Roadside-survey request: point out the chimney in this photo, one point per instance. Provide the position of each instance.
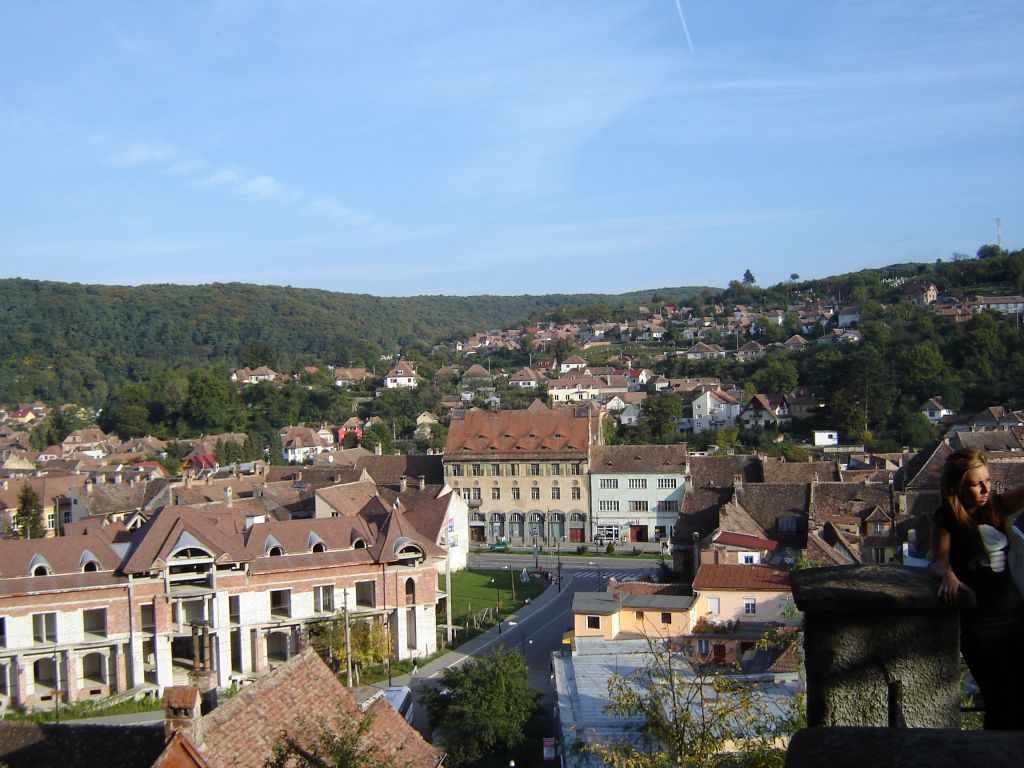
(182, 712)
(117, 478)
(377, 450)
(737, 482)
(88, 485)
(227, 495)
(423, 482)
(403, 483)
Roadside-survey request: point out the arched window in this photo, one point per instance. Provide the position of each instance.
(90, 566)
(359, 544)
(410, 591)
(40, 570)
(319, 547)
(275, 551)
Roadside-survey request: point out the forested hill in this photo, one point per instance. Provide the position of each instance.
(67, 341)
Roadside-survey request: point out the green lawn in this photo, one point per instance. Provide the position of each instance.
(473, 591)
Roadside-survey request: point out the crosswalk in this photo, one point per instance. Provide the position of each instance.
(605, 575)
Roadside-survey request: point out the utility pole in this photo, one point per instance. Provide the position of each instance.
(448, 587)
(348, 643)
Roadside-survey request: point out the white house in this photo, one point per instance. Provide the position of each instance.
(636, 491)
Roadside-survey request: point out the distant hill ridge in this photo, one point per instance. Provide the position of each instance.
(212, 322)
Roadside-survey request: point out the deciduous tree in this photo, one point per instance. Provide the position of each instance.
(483, 708)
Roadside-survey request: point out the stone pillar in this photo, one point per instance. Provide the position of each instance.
(69, 675)
(222, 649)
(881, 648)
(164, 661)
(245, 645)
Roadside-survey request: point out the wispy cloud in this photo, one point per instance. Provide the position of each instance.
(242, 182)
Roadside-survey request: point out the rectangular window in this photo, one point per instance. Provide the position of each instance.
(234, 610)
(878, 528)
(667, 482)
(3, 631)
(366, 594)
(575, 469)
(476, 494)
(638, 506)
(67, 517)
(748, 558)
(515, 493)
(713, 606)
(495, 469)
(556, 469)
(513, 469)
(670, 505)
(878, 555)
(94, 621)
(607, 531)
(323, 599)
(786, 524)
(44, 628)
(636, 483)
(456, 470)
(556, 493)
(535, 493)
(575, 492)
(593, 622)
(749, 606)
(609, 482)
(703, 647)
(281, 603)
(535, 469)
(478, 470)
(639, 615)
(495, 494)
(666, 617)
(51, 520)
(467, 493)
(609, 506)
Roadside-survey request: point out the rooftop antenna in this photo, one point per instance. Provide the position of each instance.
(999, 233)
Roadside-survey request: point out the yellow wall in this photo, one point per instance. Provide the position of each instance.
(770, 606)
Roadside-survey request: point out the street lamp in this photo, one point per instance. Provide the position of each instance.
(497, 604)
(512, 580)
(558, 556)
(598, 566)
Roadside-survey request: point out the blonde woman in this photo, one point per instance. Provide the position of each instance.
(972, 528)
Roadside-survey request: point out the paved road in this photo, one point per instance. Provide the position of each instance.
(536, 629)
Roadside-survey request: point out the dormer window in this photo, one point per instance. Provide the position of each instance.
(39, 566)
(90, 566)
(272, 547)
(319, 547)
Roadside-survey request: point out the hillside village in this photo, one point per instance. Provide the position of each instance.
(196, 564)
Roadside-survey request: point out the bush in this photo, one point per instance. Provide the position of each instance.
(581, 549)
(610, 549)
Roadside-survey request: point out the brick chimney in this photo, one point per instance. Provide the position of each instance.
(423, 482)
(182, 712)
(403, 483)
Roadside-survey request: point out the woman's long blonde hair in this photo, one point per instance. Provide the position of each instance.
(953, 476)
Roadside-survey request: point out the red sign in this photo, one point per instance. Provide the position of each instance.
(549, 749)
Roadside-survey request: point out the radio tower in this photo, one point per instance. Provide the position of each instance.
(999, 233)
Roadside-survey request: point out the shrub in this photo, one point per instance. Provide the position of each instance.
(610, 549)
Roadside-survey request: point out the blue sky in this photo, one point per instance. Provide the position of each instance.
(401, 148)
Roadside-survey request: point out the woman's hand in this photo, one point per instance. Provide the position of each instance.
(949, 586)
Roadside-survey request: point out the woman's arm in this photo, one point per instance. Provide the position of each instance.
(950, 584)
(1011, 501)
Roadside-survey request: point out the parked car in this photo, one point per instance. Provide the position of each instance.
(499, 546)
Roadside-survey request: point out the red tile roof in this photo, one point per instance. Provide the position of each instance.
(723, 576)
